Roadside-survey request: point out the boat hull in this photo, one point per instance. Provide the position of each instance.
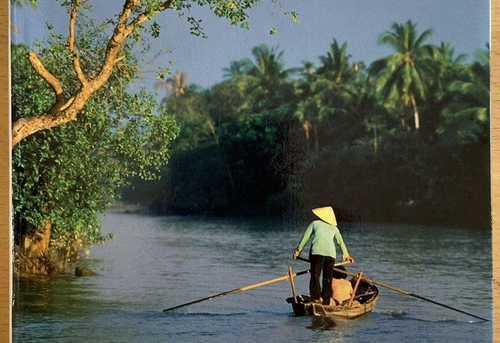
(302, 306)
(320, 310)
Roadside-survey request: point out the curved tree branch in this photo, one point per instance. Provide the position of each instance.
(25, 127)
(143, 17)
(66, 111)
(53, 81)
(122, 31)
(73, 18)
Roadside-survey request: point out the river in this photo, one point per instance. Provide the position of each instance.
(157, 262)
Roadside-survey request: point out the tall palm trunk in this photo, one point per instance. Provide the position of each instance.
(415, 113)
(213, 132)
(307, 126)
(375, 140)
(316, 138)
(403, 123)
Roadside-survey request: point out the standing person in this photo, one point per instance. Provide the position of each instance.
(322, 254)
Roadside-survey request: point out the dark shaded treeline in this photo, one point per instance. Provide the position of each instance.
(403, 139)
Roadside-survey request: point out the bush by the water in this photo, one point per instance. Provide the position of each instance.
(66, 177)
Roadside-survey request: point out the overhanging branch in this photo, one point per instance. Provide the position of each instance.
(66, 111)
(77, 65)
(143, 17)
(47, 76)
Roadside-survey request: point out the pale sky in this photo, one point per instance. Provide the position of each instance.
(464, 23)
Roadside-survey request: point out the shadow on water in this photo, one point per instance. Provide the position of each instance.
(403, 315)
(201, 314)
(395, 313)
(322, 324)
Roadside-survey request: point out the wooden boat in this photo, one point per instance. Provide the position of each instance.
(364, 302)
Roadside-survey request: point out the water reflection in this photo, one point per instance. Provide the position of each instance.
(60, 296)
(322, 323)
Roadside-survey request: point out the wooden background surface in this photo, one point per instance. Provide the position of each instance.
(495, 160)
(5, 265)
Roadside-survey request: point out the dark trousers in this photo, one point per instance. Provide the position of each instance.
(318, 263)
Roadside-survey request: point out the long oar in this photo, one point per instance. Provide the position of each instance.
(245, 288)
(400, 291)
(239, 290)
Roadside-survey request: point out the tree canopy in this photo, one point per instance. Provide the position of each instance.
(69, 175)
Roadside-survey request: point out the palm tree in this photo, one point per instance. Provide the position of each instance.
(367, 110)
(446, 53)
(477, 85)
(308, 70)
(325, 91)
(335, 64)
(176, 85)
(336, 75)
(267, 81)
(303, 91)
(238, 68)
(268, 67)
(467, 116)
(445, 67)
(401, 75)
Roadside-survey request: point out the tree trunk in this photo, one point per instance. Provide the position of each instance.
(213, 132)
(316, 138)
(307, 129)
(37, 244)
(307, 126)
(415, 113)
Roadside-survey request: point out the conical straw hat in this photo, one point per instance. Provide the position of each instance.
(326, 214)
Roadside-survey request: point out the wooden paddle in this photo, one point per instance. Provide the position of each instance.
(400, 291)
(246, 288)
(240, 290)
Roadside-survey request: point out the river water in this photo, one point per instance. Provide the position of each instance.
(157, 262)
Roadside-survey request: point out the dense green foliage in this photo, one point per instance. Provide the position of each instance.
(272, 140)
(32, 3)
(70, 174)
